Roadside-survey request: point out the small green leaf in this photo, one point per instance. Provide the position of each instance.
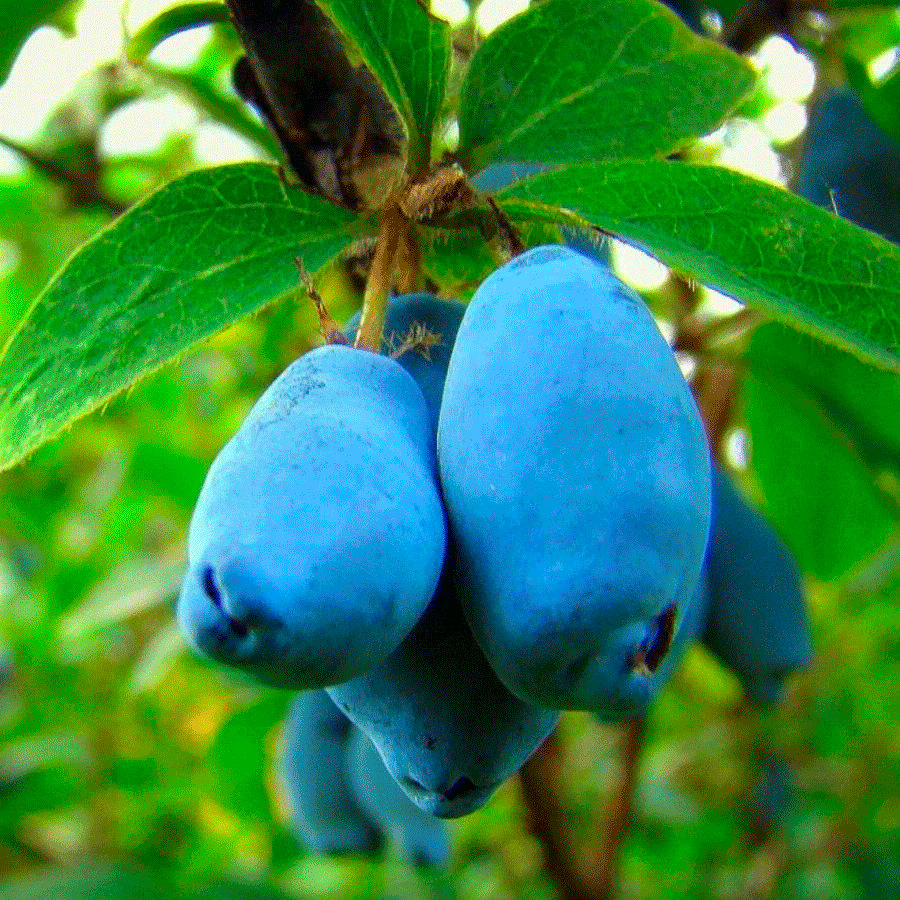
(408, 51)
(748, 239)
(575, 80)
(197, 256)
(172, 21)
(237, 757)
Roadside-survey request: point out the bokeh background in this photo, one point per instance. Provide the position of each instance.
(150, 773)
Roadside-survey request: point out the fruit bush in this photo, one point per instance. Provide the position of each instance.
(398, 164)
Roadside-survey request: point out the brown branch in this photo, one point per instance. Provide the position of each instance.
(618, 814)
(546, 820)
(82, 188)
(328, 116)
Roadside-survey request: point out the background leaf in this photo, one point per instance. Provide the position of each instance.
(193, 258)
(408, 51)
(825, 451)
(816, 489)
(744, 237)
(576, 80)
(89, 882)
(19, 21)
(172, 21)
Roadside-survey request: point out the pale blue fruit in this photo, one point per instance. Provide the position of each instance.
(757, 623)
(325, 814)
(575, 474)
(424, 838)
(448, 731)
(318, 537)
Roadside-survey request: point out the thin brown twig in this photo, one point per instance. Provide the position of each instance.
(619, 811)
(82, 188)
(539, 781)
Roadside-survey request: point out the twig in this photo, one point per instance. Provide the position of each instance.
(330, 329)
(511, 239)
(546, 820)
(82, 188)
(619, 811)
(378, 286)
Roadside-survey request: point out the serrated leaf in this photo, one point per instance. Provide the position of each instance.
(193, 258)
(746, 238)
(170, 22)
(575, 80)
(408, 51)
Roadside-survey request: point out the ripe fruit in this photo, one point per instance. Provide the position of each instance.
(575, 474)
(441, 317)
(318, 537)
(852, 166)
(446, 728)
(423, 838)
(324, 813)
(757, 624)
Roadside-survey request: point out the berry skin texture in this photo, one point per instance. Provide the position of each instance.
(440, 317)
(319, 535)
(424, 838)
(325, 815)
(757, 623)
(575, 474)
(850, 164)
(448, 731)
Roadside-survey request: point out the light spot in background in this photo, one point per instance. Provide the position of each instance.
(49, 65)
(712, 22)
(687, 364)
(215, 145)
(785, 122)
(787, 73)
(717, 304)
(9, 257)
(453, 11)
(746, 149)
(493, 13)
(181, 50)
(450, 136)
(144, 125)
(884, 65)
(11, 164)
(736, 449)
(641, 271)
(667, 329)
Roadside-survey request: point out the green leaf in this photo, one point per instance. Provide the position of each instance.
(87, 883)
(237, 757)
(817, 492)
(19, 21)
(408, 51)
(746, 238)
(237, 890)
(195, 257)
(170, 22)
(862, 402)
(575, 81)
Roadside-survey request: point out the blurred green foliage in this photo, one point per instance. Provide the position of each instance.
(131, 769)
